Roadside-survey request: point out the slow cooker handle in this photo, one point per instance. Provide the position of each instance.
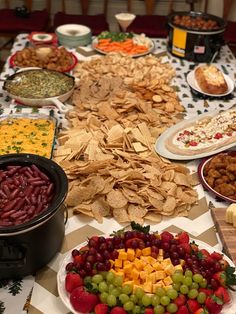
(11, 255)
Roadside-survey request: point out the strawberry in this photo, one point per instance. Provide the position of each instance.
(216, 256)
(214, 304)
(183, 310)
(72, 281)
(224, 264)
(183, 237)
(82, 300)
(192, 305)
(180, 300)
(194, 247)
(206, 291)
(220, 277)
(101, 308)
(118, 310)
(166, 236)
(202, 311)
(223, 294)
(203, 254)
(149, 310)
(186, 247)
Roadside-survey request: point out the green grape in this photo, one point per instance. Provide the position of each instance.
(133, 298)
(103, 287)
(177, 277)
(172, 293)
(197, 278)
(146, 300)
(123, 298)
(201, 297)
(160, 292)
(128, 306)
(183, 289)
(139, 293)
(110, 277)
(155, 300)
(136, 309)
(118, 280)
(203, 283)
(176, 285)
(87, 279)
(159, 309)
(188, 273)
(187, 281)
(103, 297)
(165, 300)
(127, 289)
(115, 292)
(194, 285)
(172, 308)
(111, 300)
(192, 294)
(104, 274)
(110, 287)
(97, 278)
(94, 286)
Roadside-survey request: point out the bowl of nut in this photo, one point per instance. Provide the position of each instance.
(33, 189)
(45, 57)
(217, 175)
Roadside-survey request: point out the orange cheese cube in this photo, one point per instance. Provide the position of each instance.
(128, 268)
(138, 264)
(151, 260)
(143, 275)
(118, 263)
(169, 269)
(126, 263)
(138, 252)
(134, 273)
(160, 258)
(130, 254)
(122, 256)
(161, 253)
(152, 277)
(157, 266)
(146, 251)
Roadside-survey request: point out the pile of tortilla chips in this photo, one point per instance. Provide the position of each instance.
(121, 106)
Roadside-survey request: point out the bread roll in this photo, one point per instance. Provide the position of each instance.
(210, 80)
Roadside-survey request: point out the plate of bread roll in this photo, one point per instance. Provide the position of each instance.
(209, 80)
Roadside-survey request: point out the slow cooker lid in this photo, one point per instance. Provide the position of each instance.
(220, 22)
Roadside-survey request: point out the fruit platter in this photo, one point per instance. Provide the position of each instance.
(138, 271)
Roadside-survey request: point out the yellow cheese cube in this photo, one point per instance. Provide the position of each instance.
(152, 277)
(118, 263)
(148, 268)
(161, 252)
(166, 262)
(112, 262)
(120, 250)
(136, 286)
(167, 287)
(169, 269)
(160, 258)
(160, 274)
(157, 266)
(130, 254)
(129, 282)
(178, 267)
(122, 256)
(147, 251)
(126, 263)
(147, 287)
(156, 285)
(120, 273)
(167, 281)
(151, 260)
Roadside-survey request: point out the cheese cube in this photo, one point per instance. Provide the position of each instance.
(167, 281)
(160, 274)
(128, 268)
(151, 260)
(152, 277)
(143, 275)
(118, 263)
(157, 266)
(134, 273)
(122, 256)
(169, 270)
(147, 251)
(147, 287)
(156, 285)
(178, 267)
(138, 264)
(138, 252)
(148, 268)
(130, 254)
(160, 258)
(161, 252)
(126, 263)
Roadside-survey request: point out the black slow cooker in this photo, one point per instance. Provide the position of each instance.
(195, 42)
(27, 247)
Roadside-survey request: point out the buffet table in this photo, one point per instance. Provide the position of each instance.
(44, 298)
